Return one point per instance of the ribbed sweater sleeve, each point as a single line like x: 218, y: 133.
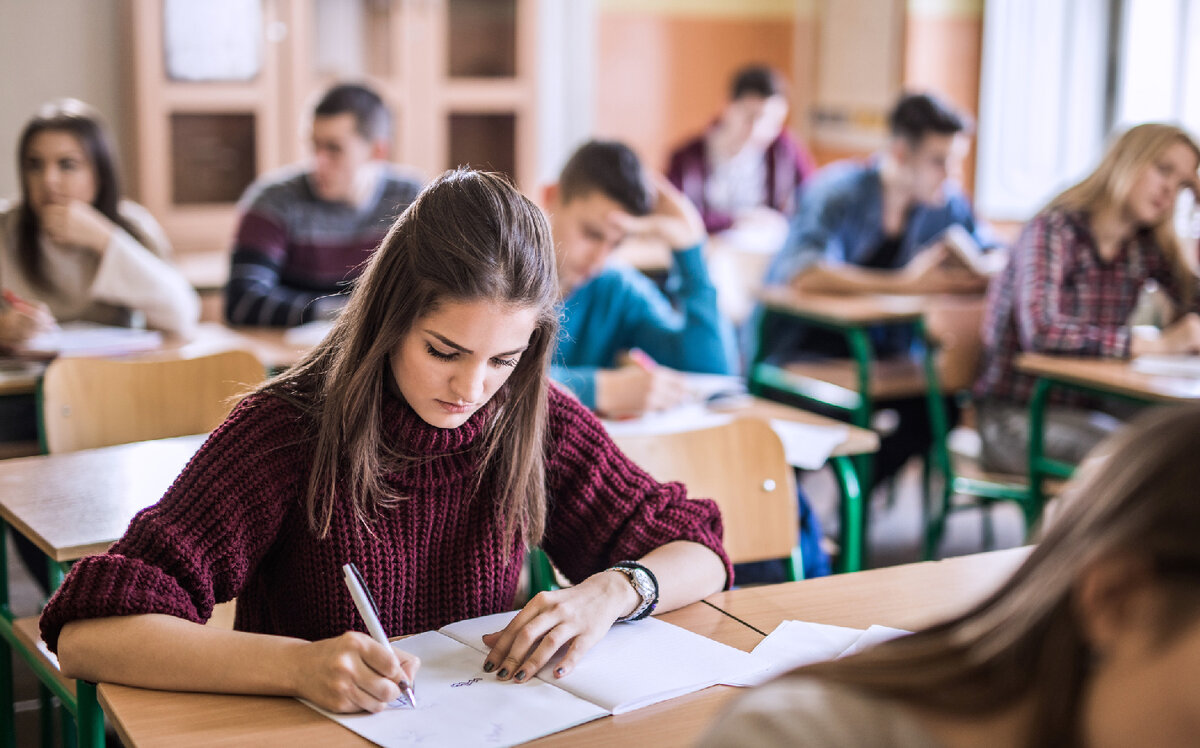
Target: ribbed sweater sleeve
x: 199, y: 543
x: 604, y: 508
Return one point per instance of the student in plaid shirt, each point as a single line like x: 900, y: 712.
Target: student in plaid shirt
x: 1071, y: 284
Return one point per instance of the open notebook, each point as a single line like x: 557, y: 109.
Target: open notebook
x: 635, y: 665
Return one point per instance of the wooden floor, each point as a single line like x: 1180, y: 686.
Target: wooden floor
x: 895, y: 539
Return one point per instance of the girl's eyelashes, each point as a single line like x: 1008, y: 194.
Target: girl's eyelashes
x: 439, y: 355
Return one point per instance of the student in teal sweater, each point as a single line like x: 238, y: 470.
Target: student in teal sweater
x: 604, y: 195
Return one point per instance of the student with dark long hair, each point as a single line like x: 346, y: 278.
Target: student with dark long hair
x: 1094, y: 641
x: 72, y: 248
x: 422, y: 441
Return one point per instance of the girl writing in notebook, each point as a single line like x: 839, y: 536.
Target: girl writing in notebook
x: 1072, y: 281
x: 421, y: 441
x: 71, y: 248
x: 1094, y: 641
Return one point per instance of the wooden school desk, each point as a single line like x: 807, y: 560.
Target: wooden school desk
x: 903, y: 596
x: 858, y: 442
x: 1103, y: 377
x: 71, y: 505
x: 267, y: 343
x: 159, y: 718
x: 907, y: 597
x: 851, y: 389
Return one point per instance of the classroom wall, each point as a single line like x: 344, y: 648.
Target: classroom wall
x: 663, y: 66
x: 943, y: 53
x: 55, y: 48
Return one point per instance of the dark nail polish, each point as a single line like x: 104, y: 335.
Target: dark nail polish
x: 488, y: 667
x: 503, y: 673
x: 520, y: 675
x: 560, y: 672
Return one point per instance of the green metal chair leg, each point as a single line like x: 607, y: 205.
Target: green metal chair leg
x: 794, y: 566
x: 853, y: 515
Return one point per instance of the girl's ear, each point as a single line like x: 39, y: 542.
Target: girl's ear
x: 1112, y: 598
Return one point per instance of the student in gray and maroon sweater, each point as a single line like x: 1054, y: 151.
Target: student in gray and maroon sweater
x: 421, y: 441
x: 306, y: 231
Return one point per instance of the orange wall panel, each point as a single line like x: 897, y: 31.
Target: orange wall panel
x: 663, y: 77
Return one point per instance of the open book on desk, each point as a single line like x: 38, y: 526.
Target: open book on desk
x: 633, y: 666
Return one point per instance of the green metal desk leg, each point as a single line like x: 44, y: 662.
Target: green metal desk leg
x: 1037, y: 424
x: 853, y: 514
x: 89, y: 717
x: 862, y: 353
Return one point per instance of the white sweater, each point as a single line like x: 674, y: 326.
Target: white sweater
x: 128, y: 276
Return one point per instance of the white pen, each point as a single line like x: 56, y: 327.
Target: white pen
x: 370, y: 615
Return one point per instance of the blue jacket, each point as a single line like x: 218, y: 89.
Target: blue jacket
x: 621, y: 309
x: 840, y: 220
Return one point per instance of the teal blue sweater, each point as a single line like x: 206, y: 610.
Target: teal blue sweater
x: 621, y: 309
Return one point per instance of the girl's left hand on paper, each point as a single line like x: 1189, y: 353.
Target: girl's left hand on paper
x: 20, y: 320
x: 76, y: 223
x: 575, y: 617
x: 352, y: 673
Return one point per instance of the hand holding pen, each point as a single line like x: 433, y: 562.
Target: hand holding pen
x: 639, y: 386
x: 370, y: 615
x: 21, y: 319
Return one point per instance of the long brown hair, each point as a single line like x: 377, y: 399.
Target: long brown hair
x: 469, y: 236
x: 83, y: 122
x: 1025, y: 640
x: 1110, y: 184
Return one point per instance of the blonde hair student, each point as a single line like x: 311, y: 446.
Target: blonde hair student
x: 421, y: 441
x: 71, y: 248
x: 1094, y: 641
x: 1073, y: 281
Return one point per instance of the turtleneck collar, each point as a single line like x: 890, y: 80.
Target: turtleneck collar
x: 417, y: 438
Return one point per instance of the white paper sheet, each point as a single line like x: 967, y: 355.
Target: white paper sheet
x: 872, y: 636
x: 808, y: 446
x: 1169, y: 366
x: 460, y: 705
x: 635, y: 664
x: 90, y: 339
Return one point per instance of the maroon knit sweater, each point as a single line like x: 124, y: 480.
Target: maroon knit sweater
x: 233, y: 525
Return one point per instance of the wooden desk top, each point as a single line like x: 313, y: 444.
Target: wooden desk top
x: 907, y: 597
x: 903, y: 596
x: 78, y: 503
x: 267, y: 343
x: 845, y: 309
x: 1111, y: 375
x: 858, y: 440
x: 160, y: 718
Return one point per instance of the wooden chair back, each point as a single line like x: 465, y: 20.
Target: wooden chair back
x: 740, y: 465
x: 94, y: 402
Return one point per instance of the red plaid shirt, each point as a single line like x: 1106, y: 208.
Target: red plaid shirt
x: 1057, y: 296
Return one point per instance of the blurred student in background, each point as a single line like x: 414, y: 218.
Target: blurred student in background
x: 71, y: 248
x: 305, y: 231
x: 1072, y: 282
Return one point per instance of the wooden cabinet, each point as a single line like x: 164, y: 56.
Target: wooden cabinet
x: 458, y: 75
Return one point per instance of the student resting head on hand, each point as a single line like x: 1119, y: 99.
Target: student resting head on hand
x: 1095, y: 640
x: 71, y: 248
x: 422, y: 441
